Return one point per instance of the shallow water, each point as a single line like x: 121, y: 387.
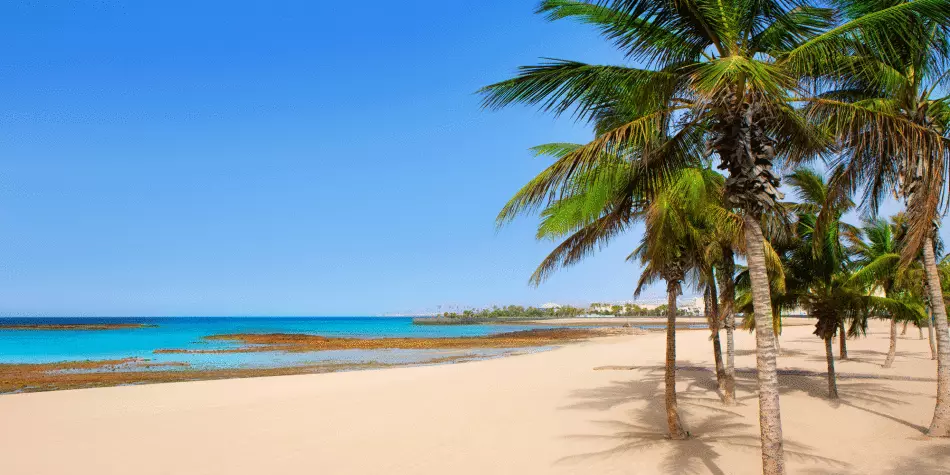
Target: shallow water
x: 48, y: 346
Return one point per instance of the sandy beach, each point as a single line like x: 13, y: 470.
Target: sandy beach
x: 591, y: 407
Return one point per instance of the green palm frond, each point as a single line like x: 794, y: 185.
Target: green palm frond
x: 791, y: 28
x: 874, y: 273
x: 879, y: 28
x: 560, y: 86
x: 638, y: 37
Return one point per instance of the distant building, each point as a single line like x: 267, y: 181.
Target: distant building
x: 551, y: 305
x: 696, y: 306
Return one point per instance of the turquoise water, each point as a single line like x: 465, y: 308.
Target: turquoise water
x: 47, y: 346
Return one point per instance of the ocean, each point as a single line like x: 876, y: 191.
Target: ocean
x: 50, y: 346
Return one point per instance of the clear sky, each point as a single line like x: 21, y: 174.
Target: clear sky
x: 275, y: 158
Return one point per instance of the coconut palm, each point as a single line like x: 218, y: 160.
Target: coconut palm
x: 813, y: 193
x: 714, y: 321
x: 718, y: 71
x: 819, y: 272
x: 881, y: 99
x: 837, y: 301
x: 876, y: 249
x: 595, y: 206
x: 604, y: 201
x: 727, y: 310
x: 877, y: 255
x: 587, y: 216
x: 676, y: 221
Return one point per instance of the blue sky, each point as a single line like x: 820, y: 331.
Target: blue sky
x: 275, y: 158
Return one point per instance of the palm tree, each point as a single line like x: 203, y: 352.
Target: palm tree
x: 591, y: 209
x: 676, y: 221
x: 876, y: 249
x: 818, y: 273
x: 881, y: 99
x: 603, y: 202
x: 727, y: 308
x: 718, y: 71
x: 714, y: 319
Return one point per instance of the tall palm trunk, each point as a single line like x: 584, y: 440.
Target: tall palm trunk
x: 842, y: 342
x: 728, y: 298
x: 892, y: 351
x: 672, y: 412
x: 832, y: 381
x: 920, y: 331
x: 940, y: 426
x: 770, y: 418
x: 904, y: 330
x: 712, y: 318
x: 930, y: 331
x: 777, y: 329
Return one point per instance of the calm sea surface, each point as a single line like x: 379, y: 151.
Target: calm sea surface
x: 46, y: 346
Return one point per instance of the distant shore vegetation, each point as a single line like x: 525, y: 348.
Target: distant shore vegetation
x: 518, y: 312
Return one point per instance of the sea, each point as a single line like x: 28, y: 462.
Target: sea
x: 51, y: 346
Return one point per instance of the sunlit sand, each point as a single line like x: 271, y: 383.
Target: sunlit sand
x: 592, y: 407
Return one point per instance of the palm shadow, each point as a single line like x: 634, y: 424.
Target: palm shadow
x: 932, y: 459
x: 709, y: 433
x: 785, y: 352
x: 858, y: 391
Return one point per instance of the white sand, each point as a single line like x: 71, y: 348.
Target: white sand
x: 541, y: 413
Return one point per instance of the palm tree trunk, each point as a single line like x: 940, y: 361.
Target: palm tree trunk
x: 777, y: 328
x: 770, y: 417
x: 672, y: 412
x: 712, y: 318
x: 842, y: 342
x: 778, y: 345
x: 920, y: 330
x: 832, y: 381
x: 904, y: 330
x: 892, y: 351
x: 728, y: 298
x: 930, y: 331
x: 940, y: 426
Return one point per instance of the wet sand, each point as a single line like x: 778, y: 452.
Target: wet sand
x: 89, y: 374
x: 299, y: 342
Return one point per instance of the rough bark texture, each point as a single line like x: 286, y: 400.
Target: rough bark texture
x: 770, y: 419
x: 940, y: 426
x: 892, y: 351
x: 672, y: 411
x: 747, y: 152
x: 842, y: 342
x: 728, y: 298
x: 832, y: 381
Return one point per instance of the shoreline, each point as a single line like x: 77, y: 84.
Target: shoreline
x: 304, y: 342
x: 589, y: 407
x: 68, y: 375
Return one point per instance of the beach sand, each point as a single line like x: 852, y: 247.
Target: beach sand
x: 591, y: 407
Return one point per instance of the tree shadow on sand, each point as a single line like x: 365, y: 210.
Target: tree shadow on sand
x: 858, y: 391
x: 870, y: 357
x: 711, y: 426
x: 785, y: 352
x: 932, y: 459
